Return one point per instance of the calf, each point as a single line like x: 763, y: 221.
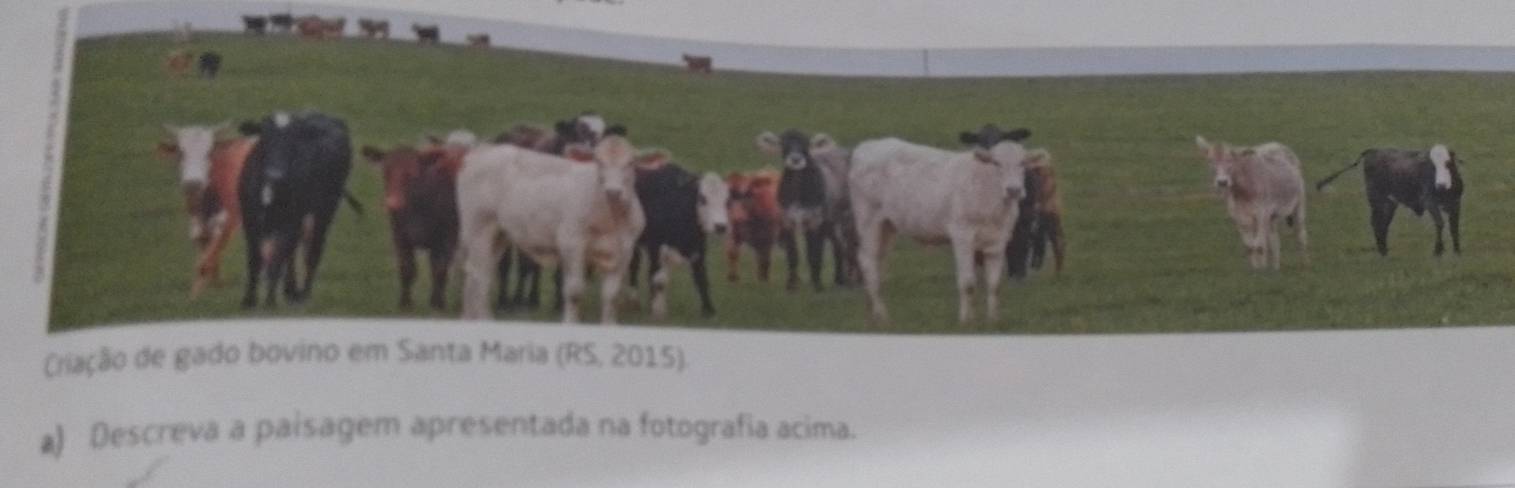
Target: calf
x: 289, y: 190
x: 967, y: 199
x: 177, y: 63
x: 209, y: 163
x: 281, y: 23
x: 334, y: 27
x: 697, y: 64
x: 310, y: 28
x: 553, y: 209
x: 681, y: 208
x: 756, y: 219
x: 1041, y: 219
x: 254, y: 24
x: 426, y: 33
x: 1262, y: 185
x: 420, y: 195
x: 210, y: 65
x: 1423, y: 181
x: 477, y: 40
x: 813, y: 194
x: 374, y: 28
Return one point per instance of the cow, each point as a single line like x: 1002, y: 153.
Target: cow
x: 209, y: 65
x: 756, y: 219
x: 1262, y: 185
x: 426, y: 33
x: 310, y: 28
x: 681, y: 209
x: 1421, y: 180
x: 968, y: 199
x: 570, y: 138
x: 553, y: 209
x: 282, y: 22
x: 177, y: 63
x: 477, y: 40
x: 182, y: 31
x: 374, y: 28
x: 334, y: 27
x: 813, y: 194
x: 256, y: 25
x: 289, y: 190
x: 210, y: 161
x: 1041, y: 219
x: 420, y: 195
x: 697, y: 64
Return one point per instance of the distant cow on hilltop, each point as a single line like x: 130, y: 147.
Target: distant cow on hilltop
x: 698, y: 64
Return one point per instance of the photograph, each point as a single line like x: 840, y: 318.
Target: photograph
x: 263, y: 161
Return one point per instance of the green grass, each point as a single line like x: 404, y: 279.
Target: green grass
x: 1151, y: 249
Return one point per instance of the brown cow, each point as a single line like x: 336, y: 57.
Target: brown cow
x: 177, y: 63
x: 209, y: 167
x: 420, y: 194
x: 756, y: 219
x: 697, y: 64
x: 334, y: 27
x: 477, y: 40
x: 1041, y: 219
x: 374, y: 28
x: 310, y: 28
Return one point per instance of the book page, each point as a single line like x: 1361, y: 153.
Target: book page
x: 674, y: 243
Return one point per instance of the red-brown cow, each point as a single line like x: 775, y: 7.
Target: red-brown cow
x: 756, y: 219
x: 698, y: 64
x: 209, y: 165
x: 420, y: 195
x: 177, y: 63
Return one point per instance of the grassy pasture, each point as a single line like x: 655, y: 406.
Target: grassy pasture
x: 1151, y: 249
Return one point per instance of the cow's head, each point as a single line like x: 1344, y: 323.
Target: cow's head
x: 793, y: 148
x: 1443, y: 160
x: 190, y: 147
x: 278, y: 140
x: 615, y: 157
x: 712, y: 204
x: 586, y: 128
x: 1002, y: 150
x: 400, y: 167
x: 1222, y: 158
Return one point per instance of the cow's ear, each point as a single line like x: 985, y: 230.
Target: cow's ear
x: 768, y: 143
x: 564, y: 128
x: 250, y: 128
x: 1209, y: 150
x: 167, y: 151
x: 968, y: 138
x: 1018, y: 135
x: 821, y: 143
x: 372, y: 154
x: 618, y: 129
x: 1038, y: 158
x: 432, y: 139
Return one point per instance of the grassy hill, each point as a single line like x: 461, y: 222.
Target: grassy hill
x: 1151, y: 248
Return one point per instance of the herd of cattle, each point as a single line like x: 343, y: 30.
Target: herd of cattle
x: 580, y: 197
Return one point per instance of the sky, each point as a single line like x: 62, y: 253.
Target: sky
x: 1082, y: 54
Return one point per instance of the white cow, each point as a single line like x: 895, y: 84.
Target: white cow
x: 553, y: 209
x: 1262, y: 185
x: 967, y: 199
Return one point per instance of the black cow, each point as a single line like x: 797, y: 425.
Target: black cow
x: 426, y: 33
x: 813, y: 195
x: 1421, y: 180
x: 290, y: 188
x: 681, y: 208
x: 254, y: 24
x: 210, y: 65
x: 282, y: 22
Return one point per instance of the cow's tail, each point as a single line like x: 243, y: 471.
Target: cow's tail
x: 1327, y: 180
x: 352, y: 201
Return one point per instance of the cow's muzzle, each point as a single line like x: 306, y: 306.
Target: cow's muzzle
x: 720, y: 229
x: 194, y: 192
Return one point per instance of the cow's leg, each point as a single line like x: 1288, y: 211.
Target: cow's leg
x: 315, y: 246
x: 963, y: 257
x: 440, y: 259
x: 1300, y: 232
x: 254, y: 265
x: 531, y: 274
x: 870, y: 243
x: 657, y: 279
x: 701, y: 282
x: 1054, y: 234
x: 278, y: 264
x: 1017, y: 250
x: 733, y: 257
x: 477, y: 238
x: 791, y: 253
x: 1435, y: 211
x: 570, y: 274
x: 502, y: 300
x: 1247, y: 227
x: 636, y: 267
x: 1270, y: 229
x: 1454, y: 216
x: 557, y: 284
x: 405, y: 257
x: 1383, y: 215
x: 838, y: 253
x: 764, y: 254
x: 815, y: 244
x: 993, y: 262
